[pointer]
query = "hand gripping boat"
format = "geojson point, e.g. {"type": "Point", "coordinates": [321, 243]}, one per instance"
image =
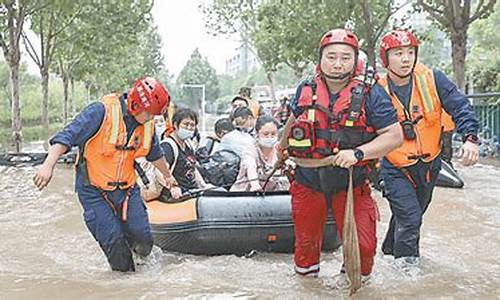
{"type": "Point", "coordinates": [229, 223]}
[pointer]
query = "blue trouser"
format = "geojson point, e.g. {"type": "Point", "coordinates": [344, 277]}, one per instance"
{"type": "Point", "coordinates": [408, 199]}
{"type": "Point", "coordinates": [116, 237]}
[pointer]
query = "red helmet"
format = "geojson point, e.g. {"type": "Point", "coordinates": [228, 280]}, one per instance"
{"type": "Point", "coordinates": [339, 36]}
{"type": "Point", "coordinates": [395, 39]}
{"type": "Point", "coordinates": [148, 94]}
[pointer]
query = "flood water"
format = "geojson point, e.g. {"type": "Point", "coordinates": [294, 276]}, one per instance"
{"type": "Point", "coordinates": [46, 252]}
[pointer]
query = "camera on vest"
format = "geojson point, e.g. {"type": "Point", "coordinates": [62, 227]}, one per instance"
{"type": "Point", "coordinates": [409, 130]}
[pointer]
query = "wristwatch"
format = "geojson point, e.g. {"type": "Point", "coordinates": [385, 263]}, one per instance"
{"type": "Point", "coordinates": [471, 137]}
{"type": "Point", "coordinates": [359, 154]}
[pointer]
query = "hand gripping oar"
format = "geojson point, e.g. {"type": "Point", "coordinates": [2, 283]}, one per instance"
{"type": "Point", "coordinates": [277, 165]}
{"type": "Point", "coordinates": [350, 242]}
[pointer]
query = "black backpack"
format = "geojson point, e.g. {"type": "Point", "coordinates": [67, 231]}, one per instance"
{"type": "Point", "coordinates": [221, 168]}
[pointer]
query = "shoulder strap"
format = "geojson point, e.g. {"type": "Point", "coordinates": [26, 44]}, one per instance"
{"type": "Point", "coordinates": [175, 151]}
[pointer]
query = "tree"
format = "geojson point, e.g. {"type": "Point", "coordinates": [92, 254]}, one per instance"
{"type": "Point", "coordinates": [48, 22]}
{"type": "Point", "coordinates": [12, 16]}
{"type": "Point", "coordinates": [197, 71]}
{"type": "Point", "coordinates": [454, 18]}
{"type": "Point", "coordinates": [370, 19]}
{"type": "Point", "coordinates": [484, 60]}
{"type": "Point", "coordinates": [278, 22]}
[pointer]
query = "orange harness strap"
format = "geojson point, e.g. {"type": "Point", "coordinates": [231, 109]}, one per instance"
{"type": "Point", "coordinates": [124, 207]}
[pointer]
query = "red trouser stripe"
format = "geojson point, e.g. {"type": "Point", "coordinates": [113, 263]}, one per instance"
{"type": "Point", "coordinates": [309, 213]}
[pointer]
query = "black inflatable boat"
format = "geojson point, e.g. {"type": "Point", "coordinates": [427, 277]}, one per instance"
{"type": "Point", "coordinates": [448, 177]}
{"type": "Point", "coordinates": [229, 223]}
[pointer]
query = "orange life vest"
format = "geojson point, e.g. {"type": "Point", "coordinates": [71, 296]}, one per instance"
{"type": "Point", "coordinates": [255, 107]}
{"type": "Point", "coordinates": [109, 159]}
{"type": "Point", "coordinates": [322, 128]}
{"type": "Point", "coordinates": [425, 112]}
{"type": "Point", "coordinates": [447, 122]}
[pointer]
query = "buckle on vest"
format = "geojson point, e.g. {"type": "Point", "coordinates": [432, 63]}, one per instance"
{"type": "Point", "coordinates": [124, 148]}
{"type": "Point", "coordinates": [423, 156]}
{"type": "Point", "coordinates": [117, 183]}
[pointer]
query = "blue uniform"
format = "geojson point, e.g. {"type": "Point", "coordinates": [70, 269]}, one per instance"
{"type": "Point", "coordinates": [409, 200]}
{"type": "Point", "coordinates": [380, 114]}
{"type": "Point", "coordinates": [115, 237]}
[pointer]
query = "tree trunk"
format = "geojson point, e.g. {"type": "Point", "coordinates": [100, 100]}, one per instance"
{"type": "Point", "coordinates": [65, 96]}
{"type": "Point", "coordinates": [272, 84]}
{"type": "Point", "coordinates": [45, 107]}
{"type": "Point", "coordinates": [370, 53]}
{"type": "Point", "coordinates": [72, 100]}
{"type": "Point", "coordinates": [458, 54]}
{"type": "Point", "coordinates": [16, 106]}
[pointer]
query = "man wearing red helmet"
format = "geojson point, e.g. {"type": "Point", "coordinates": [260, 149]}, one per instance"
{"type": "Point", "coordinates": [419, 94]}
{"type": "Point", "coordinates": [110, 135]}
{"type": "Point", "coordinates": [338, 119]}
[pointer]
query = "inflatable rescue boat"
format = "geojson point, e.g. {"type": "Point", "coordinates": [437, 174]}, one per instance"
{"type": "Point", "coordinates": [229, 223]}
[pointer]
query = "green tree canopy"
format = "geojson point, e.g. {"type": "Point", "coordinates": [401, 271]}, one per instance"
{"type": "Point", "coordinates": [485, 53]}
{"type": "Point", "coordinates": [197, 71]}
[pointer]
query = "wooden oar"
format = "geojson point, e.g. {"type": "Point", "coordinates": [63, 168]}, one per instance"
{"type": "Point", "coordinates": [350, 242]}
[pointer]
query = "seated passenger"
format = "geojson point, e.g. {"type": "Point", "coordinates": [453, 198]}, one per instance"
{"type": "Point", "coordinates": [240, 140]}
{"type": "Point", "coordinates": [180, 154]}
{"type": "Point", "coordinates": [210, 144]}
{"type": "Point", "coordinates": [267, 136]}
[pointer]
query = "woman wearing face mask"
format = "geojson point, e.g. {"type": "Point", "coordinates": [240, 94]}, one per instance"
{"type": "Point", "coordinates": [180, 154]}
{"type": "Point", "coordinates": [266, 128]}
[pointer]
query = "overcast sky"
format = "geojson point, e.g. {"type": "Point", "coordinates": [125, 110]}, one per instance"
{"type": "Point", "coordinates": [181, 26]}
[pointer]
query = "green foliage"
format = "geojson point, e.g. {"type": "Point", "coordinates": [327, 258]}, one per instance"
{"type": "Point", "coordinates": [432, 50]}
{"type": "Point", "coordinates": [289, 34]}
{"type": "Point", "coordinates": [197, 71]}
{"type": "Point", "coordinates": [484, 58]}
{"type": "Point", "coordinates": [31, 97]}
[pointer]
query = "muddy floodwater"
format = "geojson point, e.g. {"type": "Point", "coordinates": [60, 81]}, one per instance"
{"type": "Point", "coordinates": [46, 252]}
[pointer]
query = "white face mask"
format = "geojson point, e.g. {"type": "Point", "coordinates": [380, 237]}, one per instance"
{"type": "Point", "coordinates": [268, 142]}
{"type": "Point", "coordinates": [185, 134]}
{"type": "Point", "coordinates": [160, 129]}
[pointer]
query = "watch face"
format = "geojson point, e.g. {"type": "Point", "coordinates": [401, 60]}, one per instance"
{"type": "Point", "coordinates": [358, 154]}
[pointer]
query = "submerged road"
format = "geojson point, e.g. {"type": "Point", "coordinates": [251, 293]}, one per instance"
{"type": "Point", "coordinates": [46, 252]}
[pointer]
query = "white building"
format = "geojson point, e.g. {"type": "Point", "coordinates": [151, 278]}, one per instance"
{"type": "Point", "coordinates": [243, 61]}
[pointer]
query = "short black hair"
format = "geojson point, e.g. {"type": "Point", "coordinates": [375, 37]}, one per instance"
{"type": "Point", "coordinates": [241, 112]}
{"type": "Point", "coordinates": [236, 98]}
{"type": "Point", "coordinates": [263, 120]}
{"type": "Point", "coordinates": [223, 124]}
{"type": "Point", "coordinates": [184, 113]}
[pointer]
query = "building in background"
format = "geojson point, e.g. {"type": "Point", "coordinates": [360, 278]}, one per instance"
{"type": "Point", "coordinates": [243, 61]}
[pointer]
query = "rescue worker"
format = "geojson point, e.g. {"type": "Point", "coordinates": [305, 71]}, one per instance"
{"type": "Point", "coordinates": [254, 105]}
{"type": "Point", "coordinates": [110, 134]}
{"type": "Point", "coordinates": [419, 95]}
{"type": "Point", "coordinates": [336, 116]}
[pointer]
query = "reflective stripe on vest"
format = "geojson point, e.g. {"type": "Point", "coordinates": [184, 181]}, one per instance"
{"type": "Point", "coordinates": [424, 103]}
{"type": "Point", "coordinates": [108, 156]}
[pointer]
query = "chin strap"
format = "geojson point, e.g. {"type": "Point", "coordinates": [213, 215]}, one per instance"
{"type": "Point", "coordinates": [340, 77]}
{"type": "Point", "coordinates": [405, 76]}
{"type": "Point", "coordinates": [400, 76]}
